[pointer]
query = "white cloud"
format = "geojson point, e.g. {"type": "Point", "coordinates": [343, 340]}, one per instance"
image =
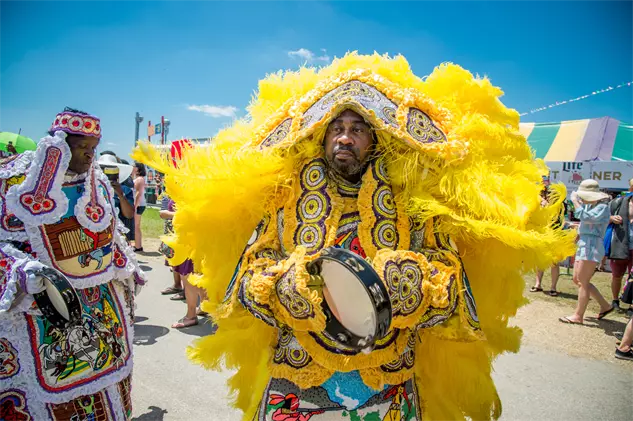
{"type": "Point", "coordinates": [215, 111]}
{"type": "Point", "coordinates": [308, 56]}
{"type": "Point", "coordinates": [110, 144]}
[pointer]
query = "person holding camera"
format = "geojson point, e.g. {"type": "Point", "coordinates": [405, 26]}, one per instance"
{"type": "Point", "coordinates": [118, 174]}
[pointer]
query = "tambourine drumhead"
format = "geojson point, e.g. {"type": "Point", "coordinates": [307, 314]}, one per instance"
{"type": "Point", "coordinates": [59, 302]}
{"type": "Point", "coordinates": [56, 299]}
{"type": "Point", "coordinates": [356, 303]}
{"type": "Point", "coordinates": [348, 299]}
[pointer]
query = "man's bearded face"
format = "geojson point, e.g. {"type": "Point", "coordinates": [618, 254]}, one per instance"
{"type": "Point", "coordinates": [348, 140]}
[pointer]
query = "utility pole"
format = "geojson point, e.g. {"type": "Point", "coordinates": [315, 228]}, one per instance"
{"type": "Point", "coordinates": [166, 124]}
{"type": "Point", "coordinates": [162, 131]}
{"type": "Point", "coordinates": [138, 120]}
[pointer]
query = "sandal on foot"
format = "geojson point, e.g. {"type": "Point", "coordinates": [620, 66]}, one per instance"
{"type": "Point", "coordinates": [180, 296]}
{"type": "Point", "coordinates": [552, 293]}
{"type": "Point", "coordinates": [536, 289]}
{"type": "Point", "coordinates": [603, 314]}
{"type": "Point", "coordinates": [568, 321]}
{"type": "Point", "coordinates": [185, 322]}
{"type": "Point", "coordinates": [202, 313]}
{"type": "Point", "coordinates": [171, 290]}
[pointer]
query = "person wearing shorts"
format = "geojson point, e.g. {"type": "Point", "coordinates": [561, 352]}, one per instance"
{"type": "Point", "coordinates": [140, 203]}
{"type": "Point", "coordinates": [559, 223]}
{"type": "Point", "coordinates": [621, 242]}
{"type": "Point", "coordinates": [592, 209]}
{"type": "Point", "coordinates": [192, 294]}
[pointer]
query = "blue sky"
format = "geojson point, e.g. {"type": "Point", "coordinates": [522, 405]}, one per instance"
{"type": "Point", "coordinates": [163, 58]}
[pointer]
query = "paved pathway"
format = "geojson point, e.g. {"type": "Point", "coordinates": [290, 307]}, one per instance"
{"type": "Point", "coordinates": [534, 384]}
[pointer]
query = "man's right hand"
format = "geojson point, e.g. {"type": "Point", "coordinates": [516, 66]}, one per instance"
{"type": "Point", "coordinates": [616, 219]}
{"type": "Point", "coordinates": [116, 186]}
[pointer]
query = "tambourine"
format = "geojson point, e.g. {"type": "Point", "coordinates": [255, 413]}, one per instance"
{"type": "Point", "coordinates": [355, 301]}
{"type": "Point", "coordinates": [59, 302]}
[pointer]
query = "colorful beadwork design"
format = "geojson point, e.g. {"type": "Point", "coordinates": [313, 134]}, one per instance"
{"type": "Point", "coordinates": [331, 345]}
{"type": "Point", "coordinates": [297, 306]}
{"type": "Point", "coordinates": [94, 208]}
{"type": "Point", "coordinates": [277, 135]}
{"type": "Point", "coordinates": [78, 124]}
{"type": "Point", "coordinates": [289, 352]}
{"type": "Point", "coordinates": [347, 234]}
{"type": "Point", "coordinates": [38, 201]}
{"type": "Point", "coordinates": [125, 392]}
{"type": "Point", "coordinates": [82, 353]}
{"type": "Point", "coordinates": [9, 363]}
{"type": "Point", "coordinates": [77, 251]}
{"type": "Point", "coordinates": [471, 307]}
{"type": "Point", "coordinates": [405, 361]}
{"type": "Point", "coordinates": [96, 407]}
{"type": "Point", "coordinates": [384, 232]}
{"type": "Point", "coordinates": [6, 263]}
{"type": "Point", "coordinates": [403, 280]}
{"type": "Point", "coordinates": [120, 259]}
{"type": "Point", "coordinates": [9, 222]}
{"type": "Point", "coordinates": [313, 207]}
{"type": "Point", "coordinates": [435, 315]}
{"type": "Point", "coordinates": [13, 406]}
{"type": "Point", "coordinates": [90, 296]}
{"type": "Point", "coordinates": [246, 298]}
{"type": "Point", "coordinates": [353, 91]}
{"type": "Point", "coordinates": [421, 127]}
{"type": "Point", "coordinates": [342, 397]}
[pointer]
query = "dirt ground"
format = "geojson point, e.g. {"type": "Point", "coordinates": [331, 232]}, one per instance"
{"type": "Point", "coordinates": [541, 327]}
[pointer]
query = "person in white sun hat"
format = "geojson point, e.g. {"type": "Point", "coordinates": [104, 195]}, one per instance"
{"type": "Point", "coordinates": [592, 209]}
{"type": "Point", "coordinates": [117, 173]}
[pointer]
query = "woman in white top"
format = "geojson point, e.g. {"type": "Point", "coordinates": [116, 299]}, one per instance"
{"type": "Point", "coordinates": [139, 203]}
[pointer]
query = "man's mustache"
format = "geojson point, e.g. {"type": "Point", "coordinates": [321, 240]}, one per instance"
{"type": "Point", "coordinates": [354, 150]}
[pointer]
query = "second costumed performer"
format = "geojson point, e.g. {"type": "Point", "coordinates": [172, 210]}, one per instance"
{"type": "Point", "coordinates": [67, 282]}
{"type": "Point", "coordinates": [428, 183]}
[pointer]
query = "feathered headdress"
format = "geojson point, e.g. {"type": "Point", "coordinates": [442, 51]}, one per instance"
{"type": "Point", "coordinates": [454, 153]}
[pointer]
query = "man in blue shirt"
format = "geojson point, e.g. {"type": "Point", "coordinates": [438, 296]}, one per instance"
{"type": "Point", "coordinates": [124, 189]}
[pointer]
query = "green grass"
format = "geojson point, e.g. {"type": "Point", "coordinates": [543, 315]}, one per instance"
{"type": "Point", "coordinates": [151, 224]}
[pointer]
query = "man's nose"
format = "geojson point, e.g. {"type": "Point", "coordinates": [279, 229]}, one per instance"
{"type": "Point", "coordinates": [345, 138]}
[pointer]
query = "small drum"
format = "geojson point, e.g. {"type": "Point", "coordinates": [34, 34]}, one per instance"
{"type": "Point", "coordinates": [356, 303]}
{"type": "Point", "coordinates": [59, 303]}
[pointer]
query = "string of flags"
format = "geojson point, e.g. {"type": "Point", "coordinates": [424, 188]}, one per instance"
{"type": "Point", "coordinates": [559, 103]}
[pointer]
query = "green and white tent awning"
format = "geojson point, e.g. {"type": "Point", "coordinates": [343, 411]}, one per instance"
{"type": "Point", "coordinates": [602, 139]}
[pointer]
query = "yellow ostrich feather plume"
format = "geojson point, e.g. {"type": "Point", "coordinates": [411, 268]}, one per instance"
{"type": "Point", "coordinates": [481, 185]}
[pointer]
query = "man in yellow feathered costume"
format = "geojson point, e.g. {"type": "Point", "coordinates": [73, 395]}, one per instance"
{"type": "Point", "coordinates": [364, 155]}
